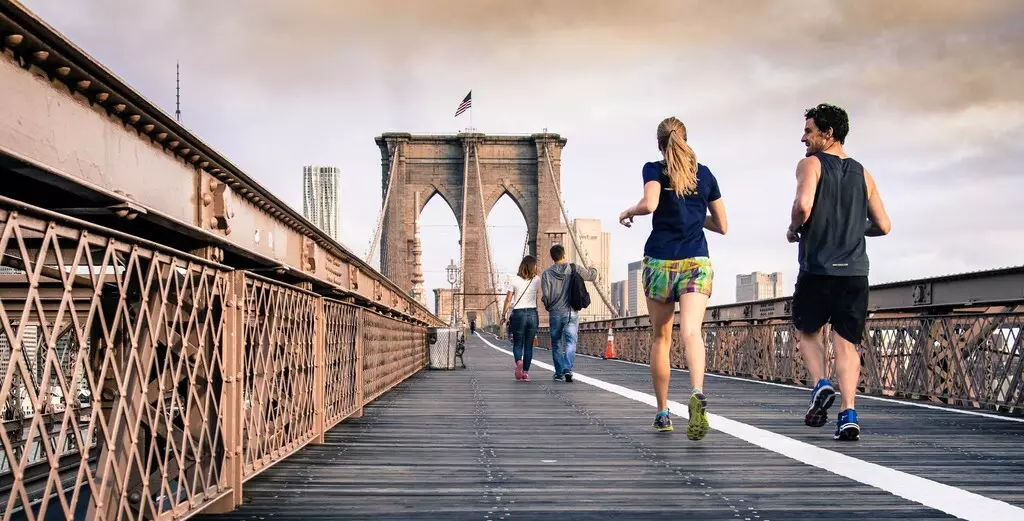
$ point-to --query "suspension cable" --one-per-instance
(462, 240)
(383, 212)
(483, 214)
(572, 234)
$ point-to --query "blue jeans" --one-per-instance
(564, 332)
(523, 326)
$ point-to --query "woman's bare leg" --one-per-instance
(662, 318)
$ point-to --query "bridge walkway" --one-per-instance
(476, 444)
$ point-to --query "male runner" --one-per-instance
(837, 204)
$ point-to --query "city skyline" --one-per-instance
(927, 149)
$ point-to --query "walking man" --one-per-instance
(564, 323)
(837, 204)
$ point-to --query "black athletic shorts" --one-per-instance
(842, 301)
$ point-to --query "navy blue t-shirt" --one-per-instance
(679, 221)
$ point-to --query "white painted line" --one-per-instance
(945, 498)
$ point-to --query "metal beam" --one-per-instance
(115, 147)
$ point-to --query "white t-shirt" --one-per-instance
(521, 300)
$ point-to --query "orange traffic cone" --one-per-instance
(609, 347)
(536, 343)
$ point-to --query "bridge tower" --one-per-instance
(470, 171)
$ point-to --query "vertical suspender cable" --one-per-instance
(487, 240)
(462, 238)
(383, 211)
(572, 234)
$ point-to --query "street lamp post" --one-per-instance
(453, 277)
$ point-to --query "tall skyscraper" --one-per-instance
(636, 301)
(758, 286)
(321, 191)
(619, 297)
(597, 246)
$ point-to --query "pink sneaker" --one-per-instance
(519, 370)
(526, 377)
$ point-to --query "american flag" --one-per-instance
(466, 103)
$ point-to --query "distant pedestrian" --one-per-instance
(563, 320)
(521, 315)
(680, 192)
(837, 204)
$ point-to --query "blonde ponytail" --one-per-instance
(680, 160)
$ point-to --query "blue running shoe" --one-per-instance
(662, 422)
(821, 399)
(847, 428)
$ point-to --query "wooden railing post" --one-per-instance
(360, 360)
(319, 380)
(232, 406)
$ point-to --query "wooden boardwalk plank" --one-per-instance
(475, 444)
(978, 454)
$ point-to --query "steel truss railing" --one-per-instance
(968, 357)
(140, 382)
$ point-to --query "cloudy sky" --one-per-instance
(933, 88)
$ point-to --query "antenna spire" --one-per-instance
(177, 91)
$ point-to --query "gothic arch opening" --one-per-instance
(440, 243)
(506, 226)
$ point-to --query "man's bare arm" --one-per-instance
(808, 171)
(878, 218)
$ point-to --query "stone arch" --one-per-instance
(527, 208)
(436, 191)
(471, 172)
(499, 191)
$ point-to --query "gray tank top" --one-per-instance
(832, 240)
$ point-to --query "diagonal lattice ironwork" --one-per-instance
(341, 336)
(393, 351)
(970, 359)
(279, 390)
(111, 375)
(137, 382)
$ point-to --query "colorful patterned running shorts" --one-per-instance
(667, 280)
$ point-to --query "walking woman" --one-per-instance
(523, 323)
(680, 192)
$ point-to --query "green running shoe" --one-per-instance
(698, 426)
